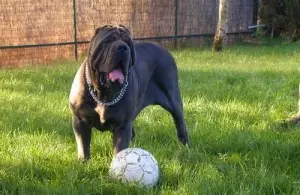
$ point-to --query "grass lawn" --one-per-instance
(232, 101)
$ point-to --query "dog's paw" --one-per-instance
(184, 140)
(83, 158)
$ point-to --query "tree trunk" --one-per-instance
(222, 27)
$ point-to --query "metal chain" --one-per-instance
(116, 100)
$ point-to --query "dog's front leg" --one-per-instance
(82, 133)
(121, 136)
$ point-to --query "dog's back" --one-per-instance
(154, 62)
(156, 71)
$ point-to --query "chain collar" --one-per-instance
(116, 100)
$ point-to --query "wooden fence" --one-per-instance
(34, 32)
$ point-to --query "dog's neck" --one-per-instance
(93, 94)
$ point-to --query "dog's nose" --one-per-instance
(122, 48)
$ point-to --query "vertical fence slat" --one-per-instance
(176, 23)
(75, 30)
(255, 11)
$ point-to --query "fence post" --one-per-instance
(75, 30)
(176, 24)
(254, 12)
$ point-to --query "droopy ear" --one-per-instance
(94, 52)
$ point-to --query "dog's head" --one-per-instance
(110, 55)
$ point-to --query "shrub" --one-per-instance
(292, 12)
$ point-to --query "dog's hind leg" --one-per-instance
(167, 83)
(168, 97)
(177, 112)
(174, 106)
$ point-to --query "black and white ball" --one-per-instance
(135, 165)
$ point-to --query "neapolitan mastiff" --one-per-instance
(116, 81)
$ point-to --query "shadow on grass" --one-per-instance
(242, 135)
(38, 81)
(33, 118)
(60, 177)
(247, 87)
(264, 88)
(215, 136)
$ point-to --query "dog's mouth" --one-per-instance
(111, 83)
(115, 76)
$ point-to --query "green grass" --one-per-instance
(232, 101)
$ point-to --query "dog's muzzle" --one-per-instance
(121, 66)
(122, 56)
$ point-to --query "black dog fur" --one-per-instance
(152, 80)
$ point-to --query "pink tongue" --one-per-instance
(116, 75)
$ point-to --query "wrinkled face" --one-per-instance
(111, 54)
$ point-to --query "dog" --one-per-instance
(116, 81)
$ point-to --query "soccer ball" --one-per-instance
(135, 165)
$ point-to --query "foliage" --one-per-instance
(281, 17)
(293, 19)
